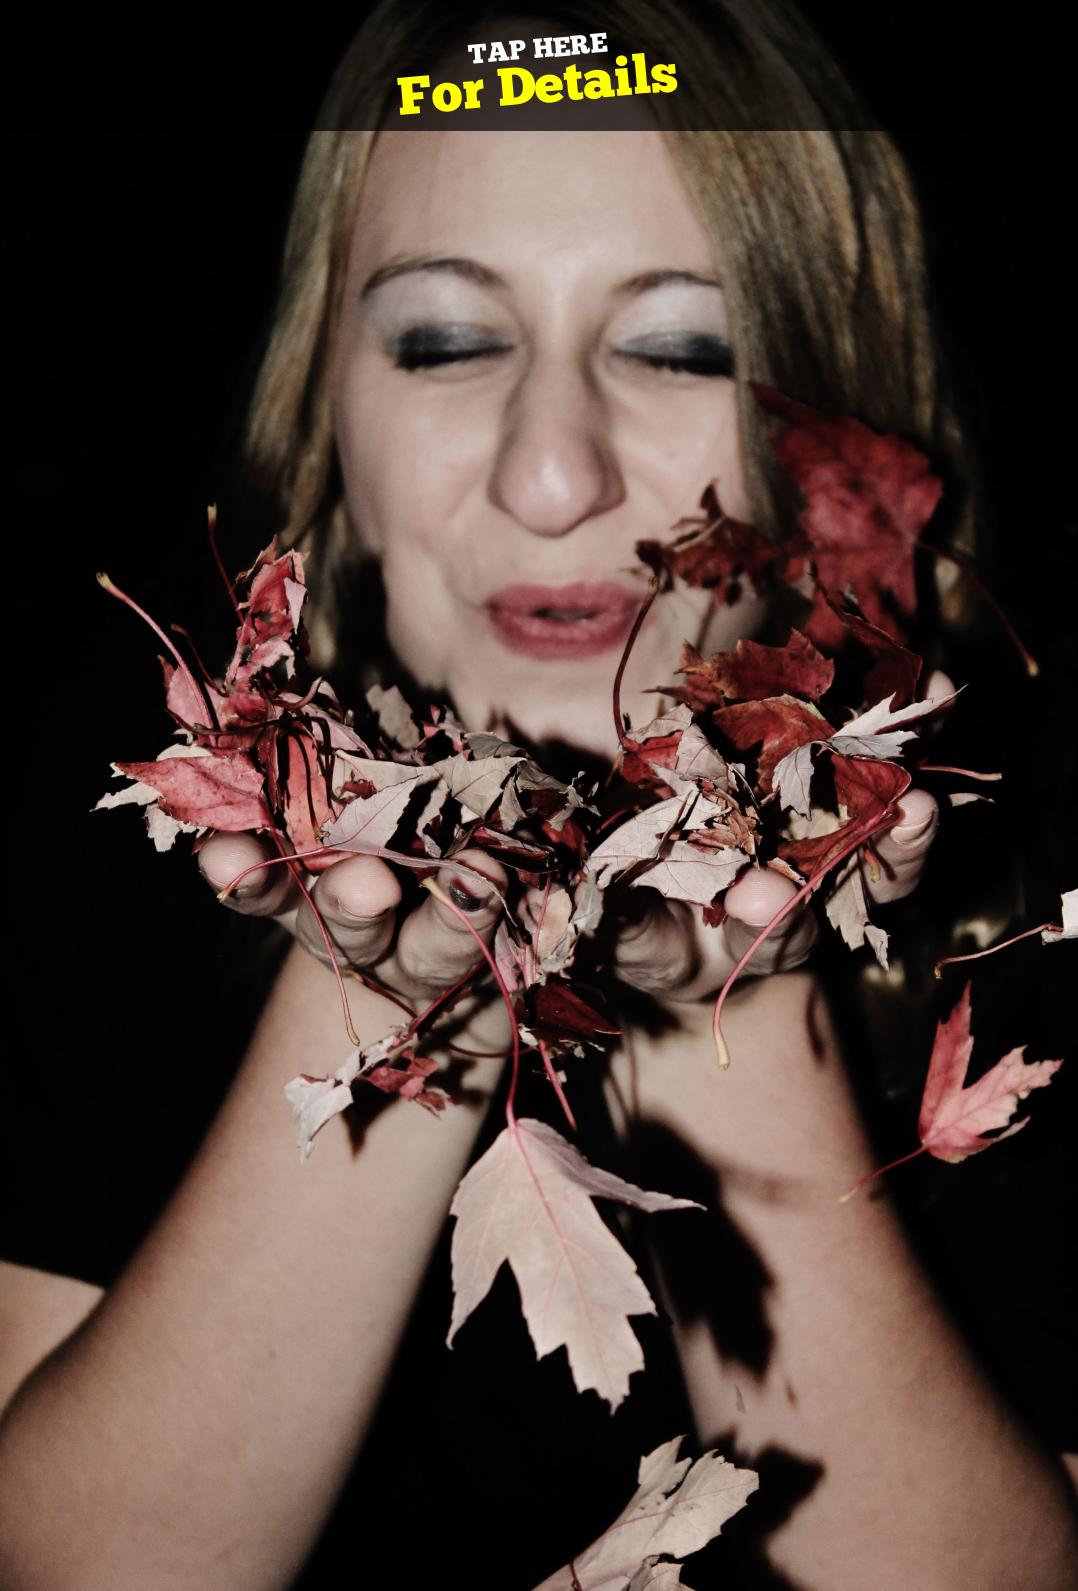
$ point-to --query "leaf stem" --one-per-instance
(556, 1081)
(872, 1175)
(331, 949)
(196, 684)
(722, 1051)
(967, 773)
(975, 955)
(437, 890)
(645, 608)
(230, 585)
(968, 568)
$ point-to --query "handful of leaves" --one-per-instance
(783, 756)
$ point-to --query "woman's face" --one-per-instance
(532, 373)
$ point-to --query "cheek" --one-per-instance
(404, 467)
(729, 471)
(691, 442)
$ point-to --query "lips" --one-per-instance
(579, 620)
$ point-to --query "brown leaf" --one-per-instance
(753, 671)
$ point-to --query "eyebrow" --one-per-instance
(482, 276)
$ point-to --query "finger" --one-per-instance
(903, 850)
(658, 952)
(266, 893)
(434, 948)
(940, 688)
(750, 904)
(357, 900)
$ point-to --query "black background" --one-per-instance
(149, 187)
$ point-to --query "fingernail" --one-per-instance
(354, 920)
(908, 833)
(464, 898)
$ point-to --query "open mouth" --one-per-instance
(581, 620)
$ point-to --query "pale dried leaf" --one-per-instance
(394, 716)
(316, 1100)
(370, 822)
(528, 1200)
(792, 779)
(678, 1507)
(1069, 919)
(847, 910)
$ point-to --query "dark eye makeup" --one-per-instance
(427, 347)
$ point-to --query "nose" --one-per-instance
(555, 466)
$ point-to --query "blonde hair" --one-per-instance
(817, 231)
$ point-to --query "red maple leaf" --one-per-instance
(954, 1116)
(866, 787)
(778, 724)
(753, 671)
(867, 498)
(218, 792)
(896, 670)
(712, 550)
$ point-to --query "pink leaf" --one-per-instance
(218, 792)
(953, 1117)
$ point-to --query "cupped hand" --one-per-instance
(670, 951)
(417, 954)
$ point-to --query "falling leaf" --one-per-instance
(953, 1117)
(528, 1200)
(678, 1507)
(867, 498)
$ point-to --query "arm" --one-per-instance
(917, 1474)
(195, 1430)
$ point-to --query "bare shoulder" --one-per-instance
(38, 1311)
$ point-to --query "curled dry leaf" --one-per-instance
(678, 1507)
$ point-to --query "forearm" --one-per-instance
(916, 1473)
(196, 1430)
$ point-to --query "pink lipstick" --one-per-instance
(574, 621)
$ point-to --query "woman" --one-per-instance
(514, 400)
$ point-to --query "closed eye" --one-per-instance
(426, 347)
(695, 356)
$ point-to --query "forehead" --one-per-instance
(513, 197)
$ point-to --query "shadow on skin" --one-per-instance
(710, 1270)
(737, 1560)
(713, 1274)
